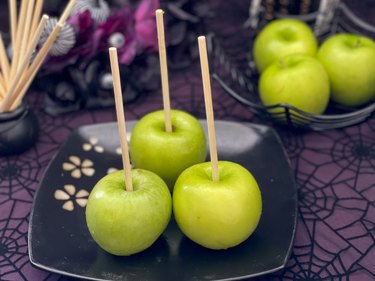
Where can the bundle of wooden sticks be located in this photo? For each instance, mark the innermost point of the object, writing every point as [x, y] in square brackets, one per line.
[19, 70]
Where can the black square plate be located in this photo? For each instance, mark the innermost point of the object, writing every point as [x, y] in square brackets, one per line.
[59, 240]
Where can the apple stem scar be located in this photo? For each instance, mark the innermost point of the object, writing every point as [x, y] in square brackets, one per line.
[208, 105]
[120, 117]
[163, 69]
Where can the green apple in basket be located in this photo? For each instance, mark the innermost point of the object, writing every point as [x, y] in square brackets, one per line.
[350, 63]
[280, 38]
[216, 204]
[298, 80]
[167, 153]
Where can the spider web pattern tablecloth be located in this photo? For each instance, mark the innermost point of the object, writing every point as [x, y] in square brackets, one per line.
[335, 172]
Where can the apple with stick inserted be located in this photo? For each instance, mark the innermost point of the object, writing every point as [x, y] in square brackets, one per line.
[167, 154]
[129, 209]
[216, 204]
[167, 141]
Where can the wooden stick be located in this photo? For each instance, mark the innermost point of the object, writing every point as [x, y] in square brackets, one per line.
[163, 70]
[4, 62]
[2, 82]
[120, 117]
[2, 89]
[12, 101]
[209, 108]
[32, 70]
[36, 18]
[26, 59]
[68, 9]
[13, 21]
[26, 32]
[17, 43]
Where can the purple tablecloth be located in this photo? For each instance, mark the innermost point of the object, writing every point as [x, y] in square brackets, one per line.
[334, 170]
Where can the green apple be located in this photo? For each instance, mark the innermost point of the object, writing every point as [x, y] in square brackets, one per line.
[167, 153]
[298, 80]
[127, 222]
[217, 214]
[280, 38]
[350, 63]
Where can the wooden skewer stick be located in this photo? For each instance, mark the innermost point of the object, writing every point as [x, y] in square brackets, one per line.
[2, 89]
[36, 18]
[13, 20]
[4, 62]
[209, 108]
[2, 82]
[26, 59]
[163, 70]
[19, 35]
[26, 32]
[23, 85]
[13, 101]
[68, 9]
[120, 117]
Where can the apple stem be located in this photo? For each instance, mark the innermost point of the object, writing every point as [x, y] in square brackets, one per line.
[209, 108]
[121, 117]
[163, 69]
[357, 43]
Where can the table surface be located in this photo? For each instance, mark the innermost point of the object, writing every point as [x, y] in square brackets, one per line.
[334, 170]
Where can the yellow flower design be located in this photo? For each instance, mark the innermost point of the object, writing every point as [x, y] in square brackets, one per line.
[78, 167]
[93, 144]
[111, 170]
[118, 149]
[70, 196]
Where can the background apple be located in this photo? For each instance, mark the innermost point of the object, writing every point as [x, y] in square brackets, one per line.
[167, 154]
[127, 222]
[349, 60]
[221, 214]
[298, 80]
[280, 38]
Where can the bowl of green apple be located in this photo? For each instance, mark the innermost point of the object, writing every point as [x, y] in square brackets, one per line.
[304, 81]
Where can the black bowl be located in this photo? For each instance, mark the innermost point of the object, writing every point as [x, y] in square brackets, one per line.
[19, 130]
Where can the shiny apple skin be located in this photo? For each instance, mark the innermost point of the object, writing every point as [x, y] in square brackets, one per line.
[167, 153]
[217, 214]
[127, 222]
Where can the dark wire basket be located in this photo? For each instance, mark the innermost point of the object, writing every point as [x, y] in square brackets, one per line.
[233, 68]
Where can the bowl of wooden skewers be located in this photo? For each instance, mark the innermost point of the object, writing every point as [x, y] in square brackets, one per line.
[18, 124]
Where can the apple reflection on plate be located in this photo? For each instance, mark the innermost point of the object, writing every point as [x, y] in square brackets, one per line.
[145, 265]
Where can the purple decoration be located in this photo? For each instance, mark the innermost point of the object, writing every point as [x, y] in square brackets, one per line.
[83, 25]
[145, 25]
[64, 41]
[99, 9]
[121, 21]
